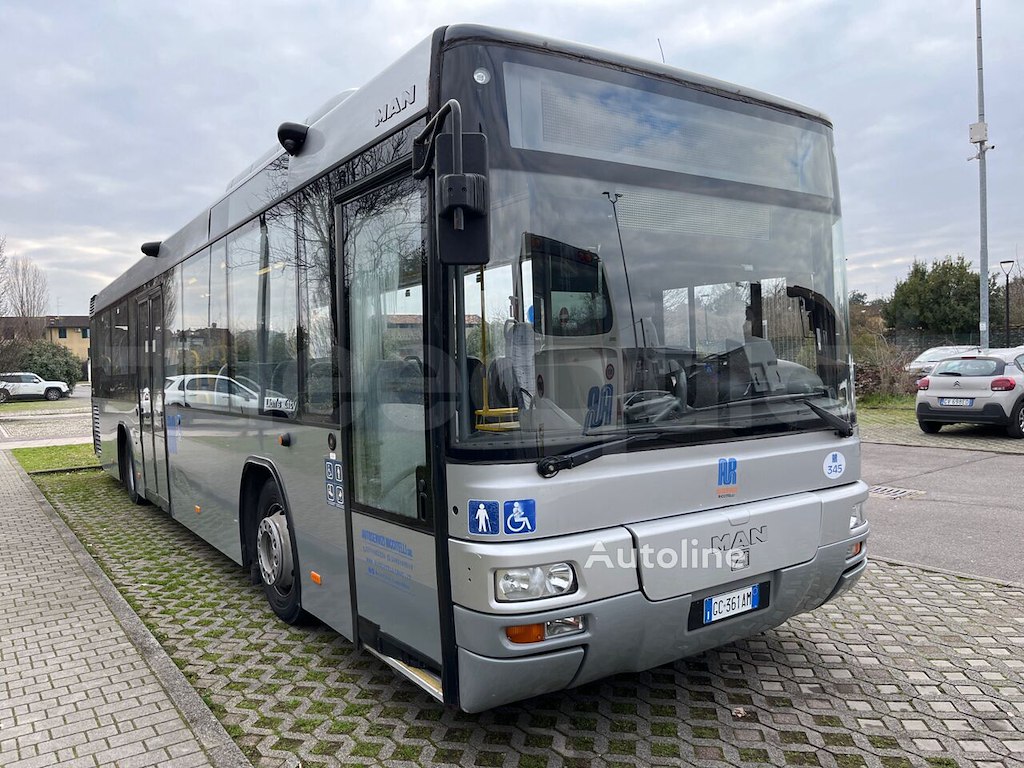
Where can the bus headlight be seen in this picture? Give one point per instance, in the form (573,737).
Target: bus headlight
(534,582)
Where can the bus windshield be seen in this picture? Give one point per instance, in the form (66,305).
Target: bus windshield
(663,262)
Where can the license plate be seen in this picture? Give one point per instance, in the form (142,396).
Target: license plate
(731,603)
(958,401)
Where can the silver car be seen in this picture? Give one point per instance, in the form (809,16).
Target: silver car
(923,363)
(980,388)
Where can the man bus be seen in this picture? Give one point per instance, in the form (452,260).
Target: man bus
(523,365)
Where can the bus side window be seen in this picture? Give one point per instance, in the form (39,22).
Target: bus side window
(318,387)
(281,381)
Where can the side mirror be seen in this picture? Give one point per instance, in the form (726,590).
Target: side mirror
(461,173)
(463,195)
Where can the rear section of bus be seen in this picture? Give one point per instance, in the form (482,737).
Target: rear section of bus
(655,449)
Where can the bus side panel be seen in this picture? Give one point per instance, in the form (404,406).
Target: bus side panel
(318,518)
(207,454)
(111,413)
(205,466)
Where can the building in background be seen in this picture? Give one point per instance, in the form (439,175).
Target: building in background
(71,331)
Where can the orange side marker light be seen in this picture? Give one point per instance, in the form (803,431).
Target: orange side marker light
(525,633)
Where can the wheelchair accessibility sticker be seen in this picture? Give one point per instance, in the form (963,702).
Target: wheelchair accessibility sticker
(520,516)
(335,488)
(484,517)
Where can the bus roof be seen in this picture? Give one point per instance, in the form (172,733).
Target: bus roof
(344,126)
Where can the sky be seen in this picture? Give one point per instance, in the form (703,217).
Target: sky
(121,120)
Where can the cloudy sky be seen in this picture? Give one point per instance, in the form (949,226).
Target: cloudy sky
(122,120)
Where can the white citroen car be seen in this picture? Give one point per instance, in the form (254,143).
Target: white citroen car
(977,388)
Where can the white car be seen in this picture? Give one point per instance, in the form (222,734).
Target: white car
(26,386)
(222,393)
(981,388)
(922,364)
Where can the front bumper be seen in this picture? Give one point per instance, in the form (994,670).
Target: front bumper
(991,413)
(630,633)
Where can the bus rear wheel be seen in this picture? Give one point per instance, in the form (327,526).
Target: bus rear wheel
(276,557)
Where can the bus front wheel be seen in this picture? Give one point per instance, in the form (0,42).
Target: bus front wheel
(276,556)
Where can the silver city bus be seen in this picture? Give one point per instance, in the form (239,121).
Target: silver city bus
(523,365)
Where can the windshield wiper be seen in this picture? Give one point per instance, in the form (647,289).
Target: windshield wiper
(550,466)
(842,427)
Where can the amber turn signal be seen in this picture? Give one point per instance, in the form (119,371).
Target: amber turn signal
(525,633)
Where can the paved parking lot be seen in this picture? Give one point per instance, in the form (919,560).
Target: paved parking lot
(913,668)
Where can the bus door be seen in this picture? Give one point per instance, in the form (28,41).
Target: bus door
(151,395)
(384,428)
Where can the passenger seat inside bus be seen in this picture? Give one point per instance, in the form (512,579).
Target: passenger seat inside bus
(395,411)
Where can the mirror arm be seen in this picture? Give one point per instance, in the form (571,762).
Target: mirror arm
(459,193)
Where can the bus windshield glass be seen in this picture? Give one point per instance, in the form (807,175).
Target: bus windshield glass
(663,260)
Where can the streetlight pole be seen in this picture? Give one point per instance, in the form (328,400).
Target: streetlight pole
(979,136)
(1007,267)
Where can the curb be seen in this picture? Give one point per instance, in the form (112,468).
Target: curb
(219,747)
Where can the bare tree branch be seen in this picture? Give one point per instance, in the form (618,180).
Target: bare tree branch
(27,291)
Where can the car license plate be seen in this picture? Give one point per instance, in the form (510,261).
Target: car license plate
(731,603)
(958,401)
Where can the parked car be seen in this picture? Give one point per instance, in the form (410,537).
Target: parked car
(28,386)
(923,363)
(980,388)
(222,393)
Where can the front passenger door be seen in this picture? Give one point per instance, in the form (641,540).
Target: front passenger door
(386,494)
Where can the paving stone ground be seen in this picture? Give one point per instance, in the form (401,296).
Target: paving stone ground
(79,686)
(45,426)
(913,668)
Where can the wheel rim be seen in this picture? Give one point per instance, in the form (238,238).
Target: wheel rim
(1020,419)
(274,550)
(51,394)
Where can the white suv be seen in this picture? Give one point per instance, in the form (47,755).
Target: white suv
(28,385)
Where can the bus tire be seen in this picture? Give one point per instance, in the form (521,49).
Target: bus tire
(128,475)
(276,557)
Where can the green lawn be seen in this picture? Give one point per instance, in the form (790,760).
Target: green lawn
(887,402)
(56,457)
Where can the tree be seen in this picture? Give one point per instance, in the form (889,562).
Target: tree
(51,361)
(27,291)
(941,298)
